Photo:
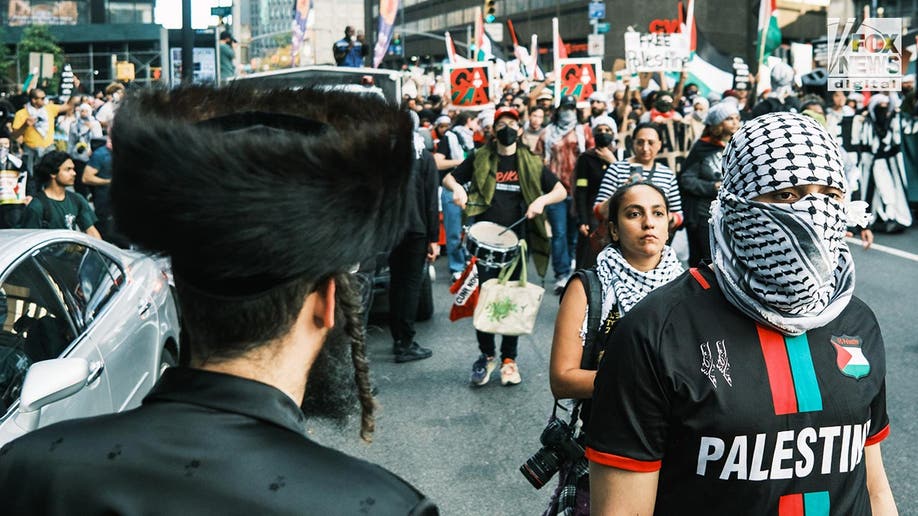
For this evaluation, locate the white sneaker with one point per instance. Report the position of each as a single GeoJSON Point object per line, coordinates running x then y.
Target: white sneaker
{"type": "Point", "coordinates": [510, 373]}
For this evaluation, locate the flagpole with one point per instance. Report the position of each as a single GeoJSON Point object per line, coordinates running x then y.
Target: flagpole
{"type": "Point", "coordinates": [556, 33]}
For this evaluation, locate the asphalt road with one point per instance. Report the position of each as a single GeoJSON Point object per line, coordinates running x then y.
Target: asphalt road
{"type": "Point", "coordinates": [463, 446]}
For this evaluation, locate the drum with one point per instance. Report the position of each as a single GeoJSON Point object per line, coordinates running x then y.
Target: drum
{"type": "Point", "coordinates": [493, 249]}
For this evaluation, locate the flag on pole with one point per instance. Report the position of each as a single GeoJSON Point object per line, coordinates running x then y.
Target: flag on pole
{"type": "Point", "coordinates": [709, 68]}
{"type": "Point", "coordinates": [529, 64]}
{"type": "Point", "coordinates": [560, 51]}
{"type": "Point", "coordinates": [454, 58]}
{"type": "Point", "coordinates": [769, 34]}
{"type": "Point", "coordinates": [385, 27]}
{"type": "Point", "coordinates": [450, 48]}
{"type": "Point", "coordinates": [484, 50]}
{"type": "Point", "coordinates": [533, 67]}
{"type": "Point", "coordinates": [303, 20]}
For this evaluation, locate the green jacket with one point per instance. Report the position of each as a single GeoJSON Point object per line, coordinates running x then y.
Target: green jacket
{"type": "Point", "coordinates": [484, 183]}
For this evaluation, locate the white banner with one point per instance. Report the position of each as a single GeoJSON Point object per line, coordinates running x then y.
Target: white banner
{"type": "Point", "coordinates": [656, 52]}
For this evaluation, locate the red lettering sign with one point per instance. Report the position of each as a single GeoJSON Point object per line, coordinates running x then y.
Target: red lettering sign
{"type": "Point", "coordinates": [469, 86]}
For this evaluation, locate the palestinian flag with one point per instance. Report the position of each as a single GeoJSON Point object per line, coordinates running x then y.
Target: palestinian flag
{"type": "Point", "coordinates": [850, 357]}
{"type": "Point", "coordinates": [708, 67]}
{"type": "Point", "coordinates": [769, 34]}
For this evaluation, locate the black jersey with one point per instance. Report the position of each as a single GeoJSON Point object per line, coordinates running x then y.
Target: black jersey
{"type": "Point", "coordinates": [738, 418]}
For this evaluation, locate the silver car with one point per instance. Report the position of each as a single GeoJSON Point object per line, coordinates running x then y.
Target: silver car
{"type": "Point", "coordinates": [87, 328]}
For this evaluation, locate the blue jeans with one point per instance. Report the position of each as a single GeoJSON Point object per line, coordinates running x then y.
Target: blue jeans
{"type": "Point", "coordinates": [562, 233]}
{"type": "Point", "coordinates": [452, 225]}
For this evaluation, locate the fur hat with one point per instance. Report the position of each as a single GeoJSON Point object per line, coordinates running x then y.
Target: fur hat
{"type": "Point", "coordinates": [247, 190]}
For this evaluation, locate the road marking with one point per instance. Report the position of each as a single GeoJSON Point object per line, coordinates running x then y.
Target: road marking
{"type": "Point", "coordinates": [885, 249]}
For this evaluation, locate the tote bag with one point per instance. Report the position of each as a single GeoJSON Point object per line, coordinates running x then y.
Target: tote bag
{"type": "Point", "coordinates": [505, 307]}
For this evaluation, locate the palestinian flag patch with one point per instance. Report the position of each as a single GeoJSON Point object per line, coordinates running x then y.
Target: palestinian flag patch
{"type": "Point", "coordinates": [850, 357]}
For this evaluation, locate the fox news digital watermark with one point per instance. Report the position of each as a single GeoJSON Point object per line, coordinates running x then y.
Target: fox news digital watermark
{"type": "Point", "coordinates": [868, 59]}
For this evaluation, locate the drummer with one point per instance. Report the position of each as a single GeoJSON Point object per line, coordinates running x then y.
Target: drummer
{"type": "Point", "coordinates": [505, 182]}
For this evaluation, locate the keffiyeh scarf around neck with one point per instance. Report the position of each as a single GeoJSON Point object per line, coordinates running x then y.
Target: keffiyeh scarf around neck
{"type": "Point", "coordinates": [625, 285]}
{"type": "Point", "coordinates": [784, 265]}
{"type": "Point", "coordinates": [41, 119]}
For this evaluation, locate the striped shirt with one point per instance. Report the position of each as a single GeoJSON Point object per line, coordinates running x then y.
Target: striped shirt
{"type": "Point", "coordinates": [622, 172]}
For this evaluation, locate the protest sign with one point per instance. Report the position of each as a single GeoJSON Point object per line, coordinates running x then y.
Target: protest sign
{"type": "Point", "coordinates": [471, 85]}
{"type": "Point", "coordinates": [656, 52]}
{"type": "Point", "coordinates": [579, 77]}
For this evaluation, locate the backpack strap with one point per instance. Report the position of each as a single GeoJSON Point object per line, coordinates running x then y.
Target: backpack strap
{"type": "Point", "coordinates": [592, 287]}
{"type": "Point", "coordinates": [41, 196]}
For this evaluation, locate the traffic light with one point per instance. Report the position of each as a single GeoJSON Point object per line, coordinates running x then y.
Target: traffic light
{"type": "Point", "coordinates": [489, 10]}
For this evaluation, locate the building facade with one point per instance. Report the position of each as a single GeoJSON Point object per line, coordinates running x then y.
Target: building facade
{"type": "Point", "coordinates": [95, 35]}
{"type": "Point", "coordinates": [421, 22]}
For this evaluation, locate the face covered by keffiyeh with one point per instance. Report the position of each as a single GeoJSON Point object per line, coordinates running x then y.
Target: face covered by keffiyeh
{"type": "Point", "coordinates": [785, 265]}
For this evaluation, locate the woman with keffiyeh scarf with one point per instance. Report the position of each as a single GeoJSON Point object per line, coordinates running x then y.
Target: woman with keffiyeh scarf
{"type": "Point", "coordinates": [635, 263]}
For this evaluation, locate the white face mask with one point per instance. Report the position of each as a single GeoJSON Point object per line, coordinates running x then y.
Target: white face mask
{"type": "Point", "coordinates": [567, 116]}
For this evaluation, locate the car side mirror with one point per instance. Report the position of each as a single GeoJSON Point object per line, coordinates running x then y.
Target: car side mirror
{"type": "Point", "coordinates": [46, 382]}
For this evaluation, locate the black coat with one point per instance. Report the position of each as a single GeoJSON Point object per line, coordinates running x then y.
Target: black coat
{"type": "Point", "coordinates": [589, 171]}
{"type": "Point", "coordinates": [702, 169]}
{"type": "Point", "coordinates": [202, 443]}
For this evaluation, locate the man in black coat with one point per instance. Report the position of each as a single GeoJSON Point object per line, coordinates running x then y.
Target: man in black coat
{"type": "Point", "coordinates": [264, 213]}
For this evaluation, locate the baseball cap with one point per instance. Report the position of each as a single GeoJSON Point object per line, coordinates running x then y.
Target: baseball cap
{"type": "Point", "coordinates": [507, 111]}
{"type": "Point", "coordinates": [568, 101]}
{"type": "Point", "coordinates": [545, 95]}
{"type": "Point", "coordinates": [443, 119]}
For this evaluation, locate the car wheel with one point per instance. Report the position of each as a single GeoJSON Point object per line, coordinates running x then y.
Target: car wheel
{"type": "Point", "coordinates": [425, 300]}
{"type": "Point", "coordinates": [166, 361]}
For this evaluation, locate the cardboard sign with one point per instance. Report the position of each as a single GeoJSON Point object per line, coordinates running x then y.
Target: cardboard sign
{"type": "Point", "coordinates": [13, 186]}
{"type": "Point", "coordinates": [471, 85]}
{"type": "Point", "coordinates": [578, 77]}
{"type": "Point", "coordinates": [657, 52]}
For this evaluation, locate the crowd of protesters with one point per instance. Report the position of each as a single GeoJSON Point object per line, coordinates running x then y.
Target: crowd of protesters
{"type": "Point", "coordinates": [634, 183]}
{"type": "Point", "coordinates": [62, 153]}
{"type": "Point", "coordinates": [667, 132]}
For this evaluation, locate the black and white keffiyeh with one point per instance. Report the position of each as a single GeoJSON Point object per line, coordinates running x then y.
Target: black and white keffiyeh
{"type": "Point", "coordinates": [625, 285]}
{"type": "Point", "coordinates": [785, 265]}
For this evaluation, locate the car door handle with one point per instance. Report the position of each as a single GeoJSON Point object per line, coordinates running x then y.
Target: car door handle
{"type": "Point", "coordinates": [95, 371]}
{"type": "Point", "coordinates": [144, 307]}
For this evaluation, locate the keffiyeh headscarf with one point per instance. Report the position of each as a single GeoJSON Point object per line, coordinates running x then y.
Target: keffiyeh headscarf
{"type": "Point", "coordinates": [785, 265]}
{"type": "Point", "coordinates": [627, 284]}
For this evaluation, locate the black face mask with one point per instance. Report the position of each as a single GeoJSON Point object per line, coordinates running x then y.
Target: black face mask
{"type": "Point", "coordinates": [604, 139]}
{"type": "Point", "coordinates": [663, 106]}
{"type": "Point", "coordinates": [506, 136]}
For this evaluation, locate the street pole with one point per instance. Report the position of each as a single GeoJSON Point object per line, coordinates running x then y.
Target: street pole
{"type": "Point", "coordinates": [187, 44]}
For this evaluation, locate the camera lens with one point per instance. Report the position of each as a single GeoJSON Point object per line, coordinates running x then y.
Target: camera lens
{"type": "Point", "coordinates": [543, 465]}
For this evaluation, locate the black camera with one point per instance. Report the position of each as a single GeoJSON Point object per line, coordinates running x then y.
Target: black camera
{"type": "Point", "coordinates": [558, 446]}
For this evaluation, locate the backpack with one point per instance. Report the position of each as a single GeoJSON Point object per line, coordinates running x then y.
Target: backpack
{"type": "Point", "coordinates": [41, 196]}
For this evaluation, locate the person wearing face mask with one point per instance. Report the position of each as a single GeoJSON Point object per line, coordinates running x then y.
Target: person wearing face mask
{"type": "Point", "coordinates": [114, 92]}
{"type": "Point", "coordinates": [662, 109]}
{"type": "Point", "coordinates": [507, 181]}
{"type": "Point", "coordinates": [695, 119]}
{"type": "Point", "coordinates": [564, 139]}
{"type": "Point", "coordinates": [702, 176]}
{"type": "Point", "coordinates": [756, 384]}
{"type": "Point", "coordinates": [687, 102]}
{"type": "Point", "coordinates": [883, 179]}
{"type": "Point", "coordinates": [591, 167]}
